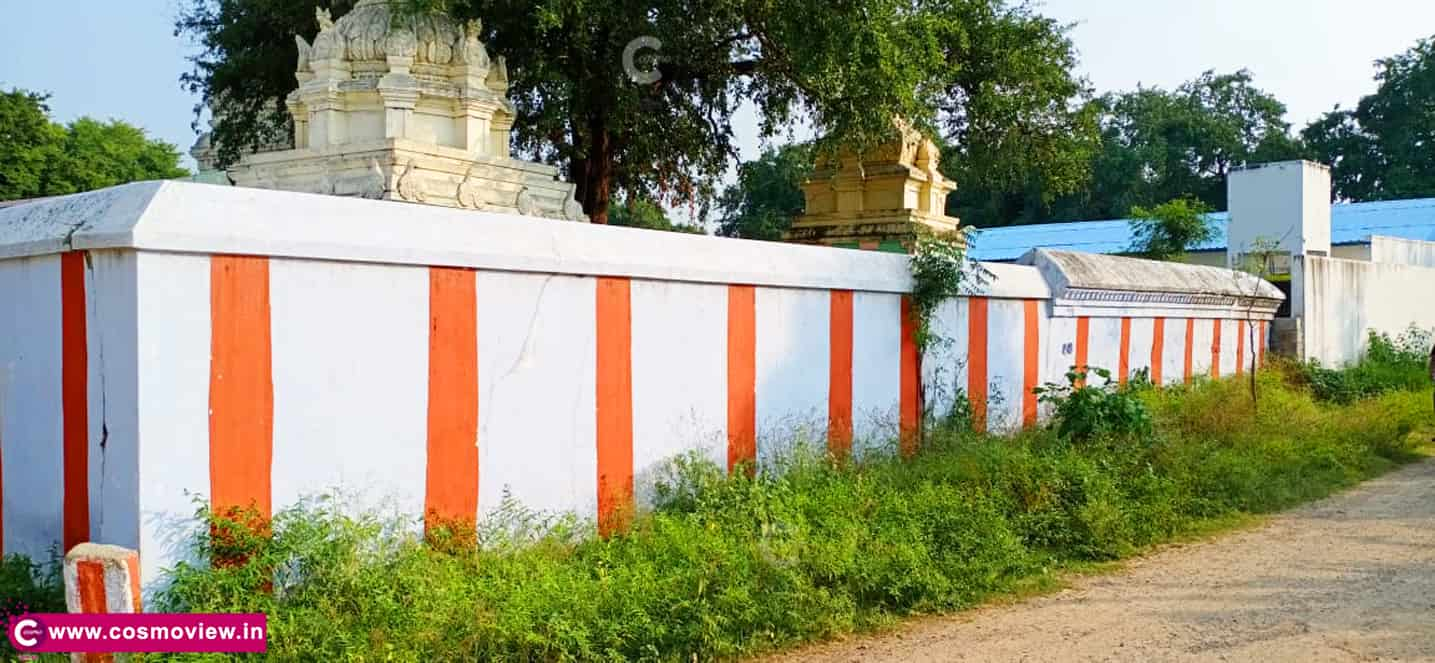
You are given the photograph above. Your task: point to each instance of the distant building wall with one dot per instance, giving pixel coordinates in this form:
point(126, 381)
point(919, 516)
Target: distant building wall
point(1286, 202)
point(1397, 251)
point(1341, 301)
point(163, 342)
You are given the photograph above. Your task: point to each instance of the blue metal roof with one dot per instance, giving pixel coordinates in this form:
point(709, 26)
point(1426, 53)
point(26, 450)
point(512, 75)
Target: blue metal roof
point(1349, 224)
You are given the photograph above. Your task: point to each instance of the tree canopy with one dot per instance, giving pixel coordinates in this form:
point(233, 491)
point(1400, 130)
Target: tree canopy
point(985, 69)
point(767, 195)
point(1384, 149)
point(41, 158)
point(639, 213)
point(1159, 145)
point(1169, 230)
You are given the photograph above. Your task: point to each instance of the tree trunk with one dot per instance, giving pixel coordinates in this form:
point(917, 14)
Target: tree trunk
point(593, 174)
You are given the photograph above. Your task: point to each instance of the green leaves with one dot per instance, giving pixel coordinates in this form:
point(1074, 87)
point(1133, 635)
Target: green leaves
point(1171, 229)
point(41, 158)
point(1384, 149)
point(767, 195)
point(1084, 412)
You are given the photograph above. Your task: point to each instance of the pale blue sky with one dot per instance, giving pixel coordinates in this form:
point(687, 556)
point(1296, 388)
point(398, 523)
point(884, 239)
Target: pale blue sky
point(117, 58)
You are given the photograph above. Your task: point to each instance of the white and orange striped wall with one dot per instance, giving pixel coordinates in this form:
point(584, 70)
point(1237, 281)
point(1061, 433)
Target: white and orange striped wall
point(164, 342)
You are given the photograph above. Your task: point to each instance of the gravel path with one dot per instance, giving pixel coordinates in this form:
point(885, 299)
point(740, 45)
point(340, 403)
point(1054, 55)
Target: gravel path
point(1350, 578)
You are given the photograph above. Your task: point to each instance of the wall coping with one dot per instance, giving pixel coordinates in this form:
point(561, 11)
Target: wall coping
point(1089, 284)
point(189, 217)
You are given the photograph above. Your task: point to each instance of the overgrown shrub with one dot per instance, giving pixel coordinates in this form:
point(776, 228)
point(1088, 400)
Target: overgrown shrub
point(27, 587)
point(1389, 364)
point(1084, 411)
point(726, 566)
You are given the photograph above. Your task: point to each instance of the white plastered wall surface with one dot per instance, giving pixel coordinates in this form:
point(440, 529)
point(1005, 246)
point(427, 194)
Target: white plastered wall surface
point(348, 290)
point(1342, 301)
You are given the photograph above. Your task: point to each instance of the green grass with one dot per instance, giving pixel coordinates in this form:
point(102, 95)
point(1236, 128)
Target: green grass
point(27, 587)
point(726, 567)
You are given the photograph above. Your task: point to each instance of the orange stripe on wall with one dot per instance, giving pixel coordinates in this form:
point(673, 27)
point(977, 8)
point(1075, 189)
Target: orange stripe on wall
point(241, 384)
point(615, 404)
point(1083, 344)
point(1190, 350)
point(75, 408)
point(90, 577)
point(910, 425)
point(977, 325)
point(1031, 378)
point(451, 475)
point(1124, 363)
point(1216, 349)
point(1240, 346)
point(839, 399)
point(1158, 349)
point(741, 376)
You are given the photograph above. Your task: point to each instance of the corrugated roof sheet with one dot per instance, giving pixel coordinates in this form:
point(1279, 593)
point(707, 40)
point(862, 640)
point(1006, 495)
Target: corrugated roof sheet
point(1350, 224)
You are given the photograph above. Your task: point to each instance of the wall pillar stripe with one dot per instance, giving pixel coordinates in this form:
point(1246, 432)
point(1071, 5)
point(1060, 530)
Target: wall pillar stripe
point(741, 376)
point(1158, 350)
point(1240, 347)
point(978, 321)
point(1031, 378)
point(1124, 362)
point(74, 380)
point(1190, 375)
point(1216, 349)
point(241, 385)
point(615, 404)
point(910, 403)
point(839, 405)
point(1261, 343)
point(451, 474)
point(91, 586)
point(1083, 346)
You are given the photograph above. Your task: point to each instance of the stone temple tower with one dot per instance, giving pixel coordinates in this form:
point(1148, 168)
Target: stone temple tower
point(878, 200)
point(409, 108)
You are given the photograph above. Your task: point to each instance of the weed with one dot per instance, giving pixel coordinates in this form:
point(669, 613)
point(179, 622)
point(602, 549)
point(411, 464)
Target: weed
point(724, 566)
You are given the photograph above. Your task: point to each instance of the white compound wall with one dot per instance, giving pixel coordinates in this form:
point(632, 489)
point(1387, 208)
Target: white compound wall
point(166, 345)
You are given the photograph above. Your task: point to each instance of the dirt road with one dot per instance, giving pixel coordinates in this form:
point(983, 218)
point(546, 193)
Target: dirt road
point(1351, 578)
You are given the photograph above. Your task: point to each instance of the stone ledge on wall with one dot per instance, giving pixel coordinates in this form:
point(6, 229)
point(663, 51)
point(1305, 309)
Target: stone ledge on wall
point(1088, 284)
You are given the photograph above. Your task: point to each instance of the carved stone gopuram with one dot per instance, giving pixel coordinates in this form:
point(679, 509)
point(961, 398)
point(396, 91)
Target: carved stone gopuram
point(409, 108)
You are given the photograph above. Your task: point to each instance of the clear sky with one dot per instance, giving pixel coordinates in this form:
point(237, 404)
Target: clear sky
point(118, 58)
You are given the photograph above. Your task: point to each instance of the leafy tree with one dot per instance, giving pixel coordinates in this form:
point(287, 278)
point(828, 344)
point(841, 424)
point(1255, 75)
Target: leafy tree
point(1020, 130)
point(767, 195)
point(1160, 145)
point(1167, 231)
point(1384, 149)
point(641, 213)
point(846, 67)
point(28, 142)
point(41, 158)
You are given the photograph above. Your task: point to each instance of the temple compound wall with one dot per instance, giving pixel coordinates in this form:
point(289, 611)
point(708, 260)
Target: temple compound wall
point(165, 345)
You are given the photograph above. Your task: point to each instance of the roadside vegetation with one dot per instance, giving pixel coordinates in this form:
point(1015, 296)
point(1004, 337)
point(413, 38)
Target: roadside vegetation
point(727, 566)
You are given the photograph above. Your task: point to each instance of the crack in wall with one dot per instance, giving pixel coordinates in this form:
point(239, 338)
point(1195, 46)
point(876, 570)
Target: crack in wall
point(525, 355)
point(99, 336)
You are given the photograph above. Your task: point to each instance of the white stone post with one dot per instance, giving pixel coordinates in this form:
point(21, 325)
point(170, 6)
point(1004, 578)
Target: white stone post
point(101, 579)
